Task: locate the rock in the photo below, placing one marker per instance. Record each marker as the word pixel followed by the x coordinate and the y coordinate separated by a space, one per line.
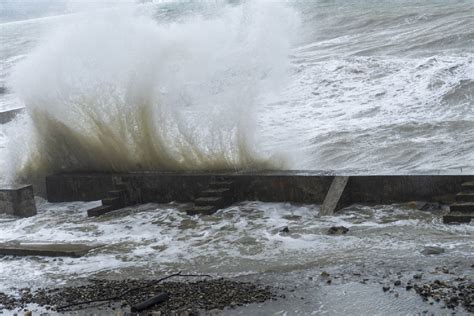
pixel 386 288
pixel 418 276
pixel 450 292
pixel 338 230
pixel 285 230
pixel 397 283
pixel 324 274
pixel 424 206
pixel 430 207
pixel 431 250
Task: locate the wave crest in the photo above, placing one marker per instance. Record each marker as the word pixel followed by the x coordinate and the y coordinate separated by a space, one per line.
pixel 120 92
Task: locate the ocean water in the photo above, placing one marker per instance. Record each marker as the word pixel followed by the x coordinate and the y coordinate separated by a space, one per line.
pixel 372 86
pixel 245 242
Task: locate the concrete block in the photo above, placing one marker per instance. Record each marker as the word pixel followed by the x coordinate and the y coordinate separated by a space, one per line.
pixel 45 249
pixel 17 200
pixel 334 195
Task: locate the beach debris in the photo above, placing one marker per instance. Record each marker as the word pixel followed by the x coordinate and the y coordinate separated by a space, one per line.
pixel 157 299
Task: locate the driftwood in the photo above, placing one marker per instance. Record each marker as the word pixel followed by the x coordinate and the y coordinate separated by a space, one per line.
pixel 160 298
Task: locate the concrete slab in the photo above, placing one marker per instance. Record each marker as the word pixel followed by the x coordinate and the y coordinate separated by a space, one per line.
pixel 17 200
pixel 45 249
pixel 334 195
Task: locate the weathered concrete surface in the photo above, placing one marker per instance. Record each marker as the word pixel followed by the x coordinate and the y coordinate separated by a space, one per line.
pixel 18 201
pixel 271 186
pixel 463 210
pixel 333 198
pixel 185 187
pixel 116 199
pixel 9 115
pixel 78 187
pixel 45 249
pixel 218 195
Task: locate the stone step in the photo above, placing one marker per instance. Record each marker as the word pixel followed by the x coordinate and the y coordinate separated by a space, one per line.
pixel 202 210
pixel 465 197
pixel 113 201
pixel 117 194
pixel 220 184
pixel 216 192
pixel 457 218
pixel 211 201
pixel 466 208
pixel 468 186
pixel 101 210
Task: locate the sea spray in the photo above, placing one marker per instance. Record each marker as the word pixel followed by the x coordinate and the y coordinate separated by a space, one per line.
pixel 117 91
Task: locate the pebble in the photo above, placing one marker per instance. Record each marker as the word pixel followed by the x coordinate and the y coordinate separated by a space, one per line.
pixel 452 293
pixel 210 294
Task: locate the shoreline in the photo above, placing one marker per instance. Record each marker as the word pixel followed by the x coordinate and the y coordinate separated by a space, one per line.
pixel 433 290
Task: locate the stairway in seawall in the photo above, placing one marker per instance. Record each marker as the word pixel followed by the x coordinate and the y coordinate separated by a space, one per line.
pixel 218 195
pixel 463 210
pixel 117 198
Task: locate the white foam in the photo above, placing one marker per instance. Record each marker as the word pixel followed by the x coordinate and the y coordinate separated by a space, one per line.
pixel 154 96
pixel 245 238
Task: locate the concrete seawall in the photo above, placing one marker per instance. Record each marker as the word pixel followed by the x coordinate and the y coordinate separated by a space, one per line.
pixel 271 186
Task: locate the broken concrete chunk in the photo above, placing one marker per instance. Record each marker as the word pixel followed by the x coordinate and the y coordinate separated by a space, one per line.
pixel 17 200
pixel 45 249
